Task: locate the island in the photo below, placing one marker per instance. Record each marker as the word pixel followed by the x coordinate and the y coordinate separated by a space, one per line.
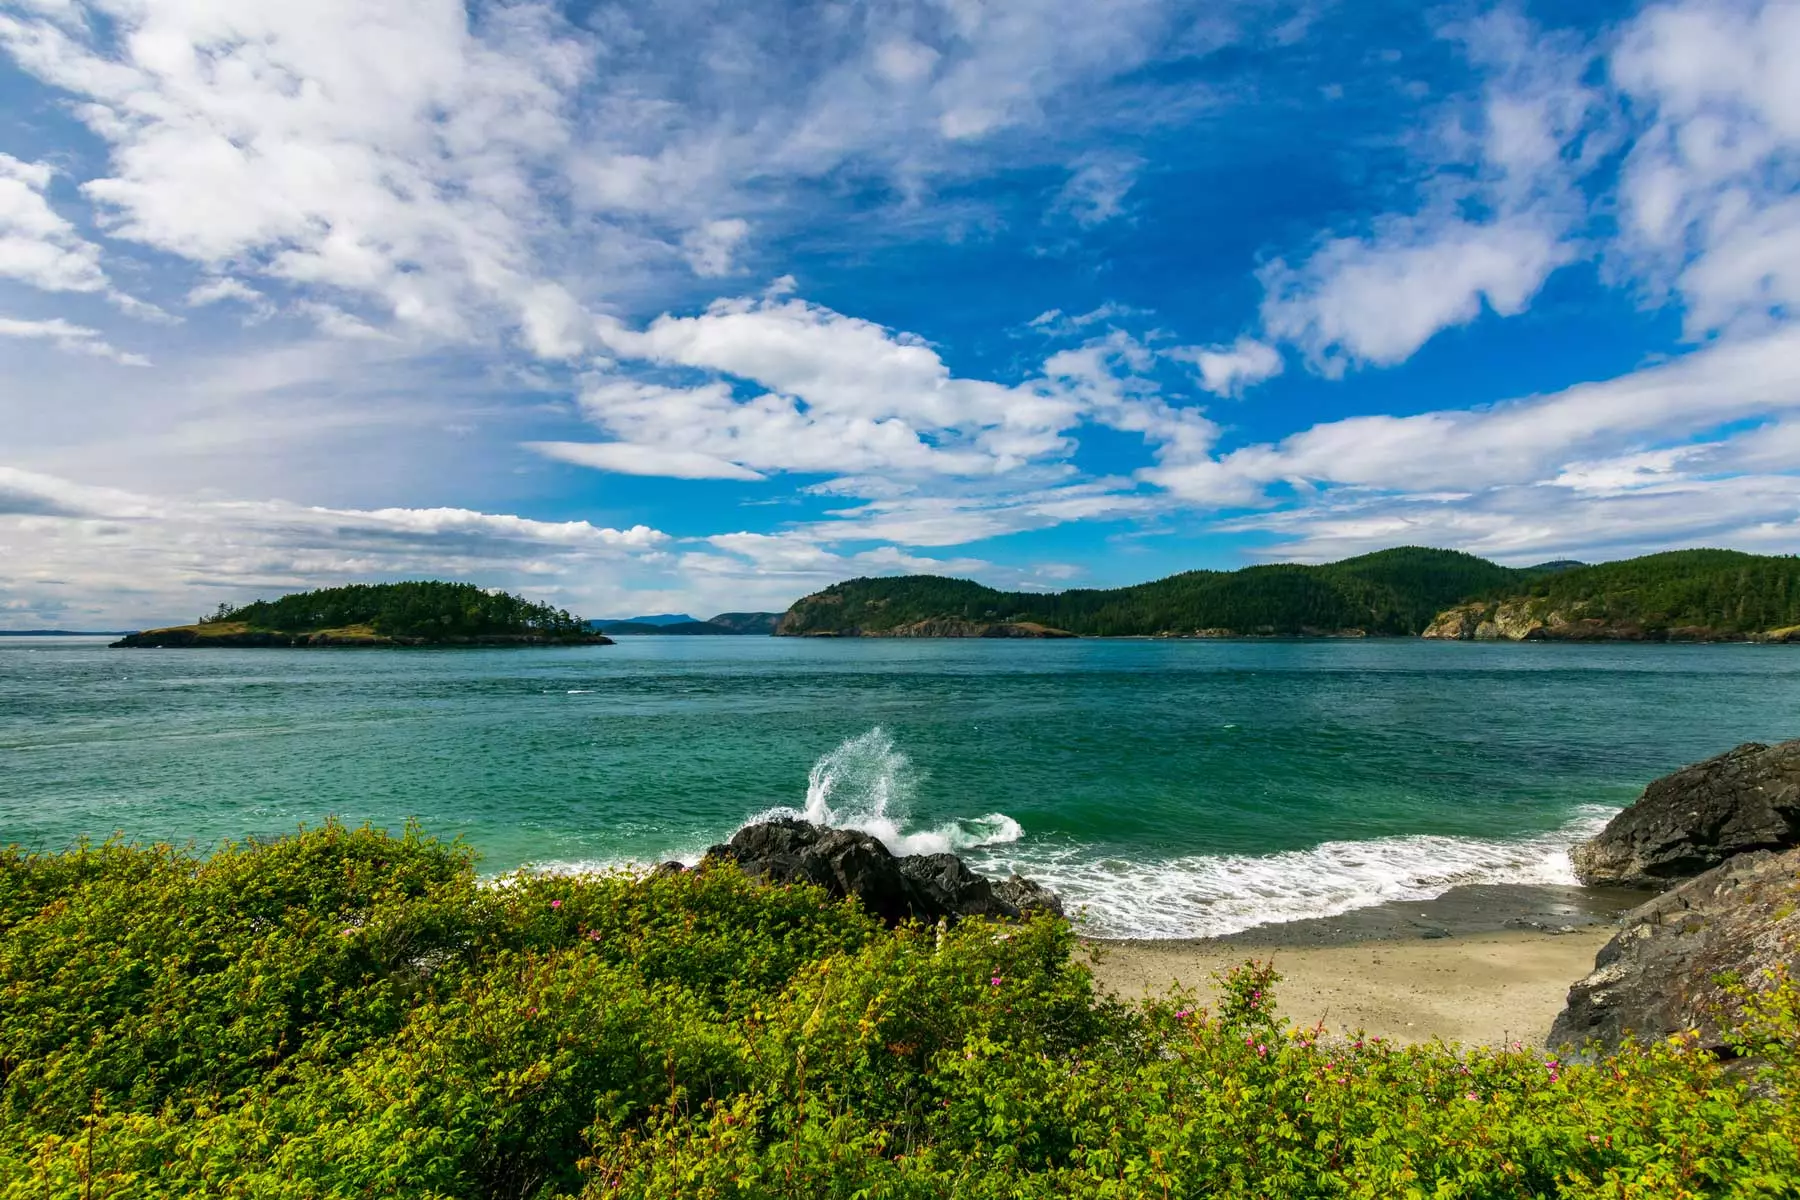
pixel 417 613
pixel 1408 591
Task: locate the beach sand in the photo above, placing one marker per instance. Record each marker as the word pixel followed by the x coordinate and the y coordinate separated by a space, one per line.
pixel 1480 966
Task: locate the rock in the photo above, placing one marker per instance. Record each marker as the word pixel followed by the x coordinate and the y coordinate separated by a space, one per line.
pixel 1743 800
pixel 847 862
pixel 1660 974
pixel 669 868
pixel 1028 896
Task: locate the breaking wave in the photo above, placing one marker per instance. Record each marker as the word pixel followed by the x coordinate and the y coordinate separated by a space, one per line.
pixel 867 784
pixel 1211 895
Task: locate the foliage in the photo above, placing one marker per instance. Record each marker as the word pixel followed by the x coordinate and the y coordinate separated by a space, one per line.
pixel 1393 591
pixel 1396 591
pixel 344 1013
pixel 414 609
pixel 1723 590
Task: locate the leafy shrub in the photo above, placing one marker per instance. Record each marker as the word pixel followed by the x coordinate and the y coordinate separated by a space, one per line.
pixel 344 1013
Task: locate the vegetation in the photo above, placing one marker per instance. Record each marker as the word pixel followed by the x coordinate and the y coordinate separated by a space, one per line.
pixel 345 1014
pixel 403 610
pixel 1721 590
pixel 1397 591
pixel 1393 591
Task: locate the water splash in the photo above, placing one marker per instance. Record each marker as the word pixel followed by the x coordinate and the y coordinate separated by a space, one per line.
pixel 866 783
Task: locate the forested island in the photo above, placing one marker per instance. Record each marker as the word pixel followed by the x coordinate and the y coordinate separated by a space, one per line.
pixel 1683 595
pixel 425 613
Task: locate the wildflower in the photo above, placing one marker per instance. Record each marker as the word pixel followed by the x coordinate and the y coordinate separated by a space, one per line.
pixel 1472 1096
pixel 1181 1014
pixel 556 904
pixel 994 982
pixel 593 935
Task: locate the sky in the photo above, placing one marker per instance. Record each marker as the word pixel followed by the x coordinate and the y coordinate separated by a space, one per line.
pixel 701 306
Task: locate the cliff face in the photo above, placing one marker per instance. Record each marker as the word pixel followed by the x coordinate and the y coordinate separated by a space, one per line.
pixel 1524 619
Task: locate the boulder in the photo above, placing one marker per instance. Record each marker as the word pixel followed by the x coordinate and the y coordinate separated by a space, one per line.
pixel 1746 799
pixel 848 862
pixel 1662 973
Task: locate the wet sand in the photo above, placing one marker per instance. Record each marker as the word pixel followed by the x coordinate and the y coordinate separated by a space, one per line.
pixel 1479 965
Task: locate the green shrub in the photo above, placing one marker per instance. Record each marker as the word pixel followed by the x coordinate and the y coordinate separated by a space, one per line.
pixel 345 1014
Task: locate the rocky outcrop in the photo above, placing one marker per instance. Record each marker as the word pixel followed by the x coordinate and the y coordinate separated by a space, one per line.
pixel 1746 799
pixel 1665 972
pixel 848 862
pixel 1525 619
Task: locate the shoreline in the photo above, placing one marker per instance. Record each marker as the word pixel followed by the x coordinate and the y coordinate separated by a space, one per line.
pixel 1483 965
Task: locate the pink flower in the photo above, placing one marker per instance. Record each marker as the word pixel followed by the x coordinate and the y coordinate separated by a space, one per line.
pixel 1472 1096
pixel 994 982
pixel 556 904
pixel 1181 1014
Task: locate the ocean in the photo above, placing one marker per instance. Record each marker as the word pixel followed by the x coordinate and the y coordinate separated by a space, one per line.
pixel 1166 788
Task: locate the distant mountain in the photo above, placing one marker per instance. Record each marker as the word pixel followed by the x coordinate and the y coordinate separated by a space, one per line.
pixel 726 624
pixel 1404 591
pixel 659 619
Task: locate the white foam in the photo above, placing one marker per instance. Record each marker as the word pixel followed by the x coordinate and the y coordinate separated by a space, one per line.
pixel 1209 895
pixel 866 784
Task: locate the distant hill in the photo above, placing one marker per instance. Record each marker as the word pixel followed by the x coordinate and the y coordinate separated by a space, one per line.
pixel 63 632
pixel 1404 591
pixel 725 624
pixel 658 619
pixel 1681 595
pixel 384 614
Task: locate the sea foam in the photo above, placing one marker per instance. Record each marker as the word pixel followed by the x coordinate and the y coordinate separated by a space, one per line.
pixel 1208 895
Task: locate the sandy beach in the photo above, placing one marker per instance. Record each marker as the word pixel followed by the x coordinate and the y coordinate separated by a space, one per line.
pixel 1480 966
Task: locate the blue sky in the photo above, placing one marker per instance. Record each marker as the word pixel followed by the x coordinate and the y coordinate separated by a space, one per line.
pixel 702 306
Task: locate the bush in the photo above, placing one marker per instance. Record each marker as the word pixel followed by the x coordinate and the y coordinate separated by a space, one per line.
pixel 344 1013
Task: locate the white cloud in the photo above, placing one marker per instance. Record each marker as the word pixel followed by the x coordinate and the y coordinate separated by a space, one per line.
pixel 1707 197
pixel 710 247
pixel 1230 370
pixel 76 339
pixel 157 558
pixel 1096 191
pixel 1501 209
pixel 1378 301
pixel 37 246
pixel 629 459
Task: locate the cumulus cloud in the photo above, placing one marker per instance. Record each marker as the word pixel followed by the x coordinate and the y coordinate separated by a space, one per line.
pixel 1230 370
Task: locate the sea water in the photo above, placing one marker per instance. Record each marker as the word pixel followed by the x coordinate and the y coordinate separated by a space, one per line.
pixel 1166 788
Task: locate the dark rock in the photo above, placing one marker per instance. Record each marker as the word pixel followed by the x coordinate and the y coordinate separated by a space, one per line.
pixel 669 868
pixel 1661 974
pixel 846 862
pixel 1747 799
pixel 1028 896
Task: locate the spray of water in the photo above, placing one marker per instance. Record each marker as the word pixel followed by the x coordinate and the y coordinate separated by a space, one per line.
pixel 867 784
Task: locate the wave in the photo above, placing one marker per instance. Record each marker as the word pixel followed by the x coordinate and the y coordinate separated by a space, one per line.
pixel 867 784
pixel 1212 895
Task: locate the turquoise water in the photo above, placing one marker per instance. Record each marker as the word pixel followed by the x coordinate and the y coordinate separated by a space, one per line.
pixel 1169 787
